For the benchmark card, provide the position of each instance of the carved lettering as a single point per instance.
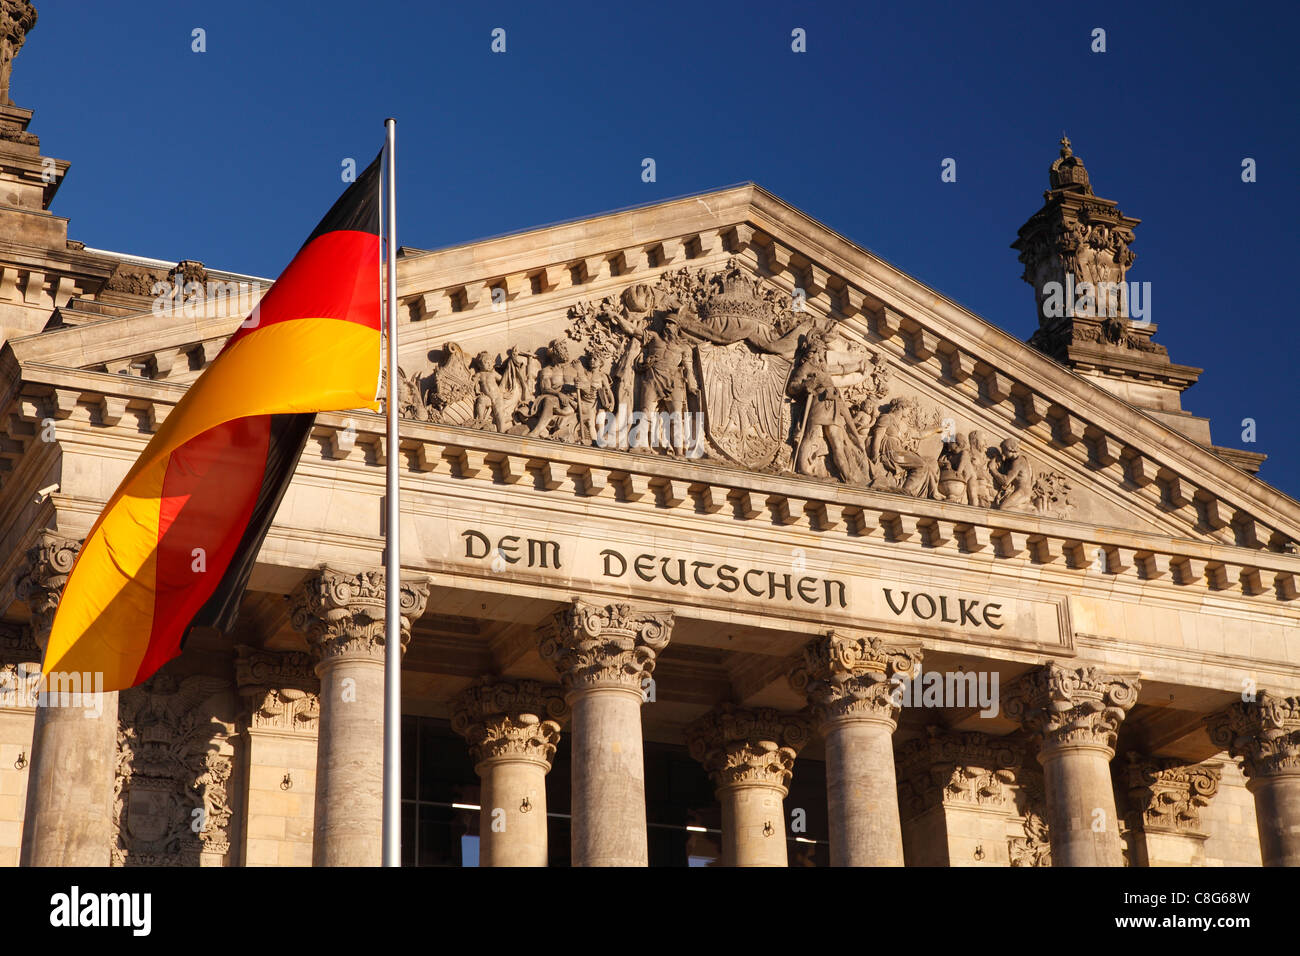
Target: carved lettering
(727, 580)
(681, 571)
(926, 607)
(697, 565)
(473, 536)
(644, 573)
(943, 611)
(609, 555)
(916, 605)
(538, 551)
(807, 590)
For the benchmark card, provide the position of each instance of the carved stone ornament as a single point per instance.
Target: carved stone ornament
(502, 718)
(720, 366)
(1034, 848)
(17, 18)
(1071, 706)
(741, 745)
(846, 676)
(968, 769)
(604, 644)
(40, 583)
(174, 763)
(342, 613)
(1169, 794)
(1263, 733)
(280, 690)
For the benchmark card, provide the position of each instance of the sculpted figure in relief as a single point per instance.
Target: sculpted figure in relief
(904, 455)
(491, 403)
(557, 395)
(667, 379)
(829, 429)
(979, 485)
(1014, 479)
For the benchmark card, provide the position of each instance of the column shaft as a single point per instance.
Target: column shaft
(603, 653)
(1081, 815)
(350, 764)
(851, 683)
(512, 822)
(1075, 713)
(753, 825)
(512, 728)
(68, 819)
(608, 800)
(341, 614)
(861, 793)
(1277, 811)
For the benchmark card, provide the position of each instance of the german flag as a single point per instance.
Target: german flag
(177, 541)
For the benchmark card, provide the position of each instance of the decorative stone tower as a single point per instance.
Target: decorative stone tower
(1091, 318)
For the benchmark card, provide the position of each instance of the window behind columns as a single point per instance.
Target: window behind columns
(436, 775)
(683, 816)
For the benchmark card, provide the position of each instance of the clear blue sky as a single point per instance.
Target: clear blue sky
(230, 156)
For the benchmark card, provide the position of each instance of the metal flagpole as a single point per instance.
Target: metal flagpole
(392, 563)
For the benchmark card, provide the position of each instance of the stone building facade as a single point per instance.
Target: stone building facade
(724, 542)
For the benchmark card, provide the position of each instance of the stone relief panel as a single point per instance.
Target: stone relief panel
(719, 366)
(174, 763)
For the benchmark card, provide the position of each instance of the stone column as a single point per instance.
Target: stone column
(849, 683)
(1075, 713)
(749, 754)
(279, 720)
(342, 615)
(68, 820)
(603, 654)
(1166, 797)
(512, 728)
(1265, 734)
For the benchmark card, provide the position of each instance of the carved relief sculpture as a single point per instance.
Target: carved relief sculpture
(715, 365)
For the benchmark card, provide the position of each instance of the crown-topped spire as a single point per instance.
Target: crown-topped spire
(1068, 172)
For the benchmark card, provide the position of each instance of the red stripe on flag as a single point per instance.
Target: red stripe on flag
(335, 276)
(209, 491)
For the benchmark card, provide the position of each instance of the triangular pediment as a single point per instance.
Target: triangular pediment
(799, 363)
(779, 346)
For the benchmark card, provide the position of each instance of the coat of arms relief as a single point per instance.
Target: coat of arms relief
(717, 365)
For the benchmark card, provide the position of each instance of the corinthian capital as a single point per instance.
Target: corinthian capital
(1169, 794)
(1264, 733)
(342, 613)
(604, 644)
(510, 718)
(739, 745)
(41, 580)
(848, 676)
(1071, 706)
